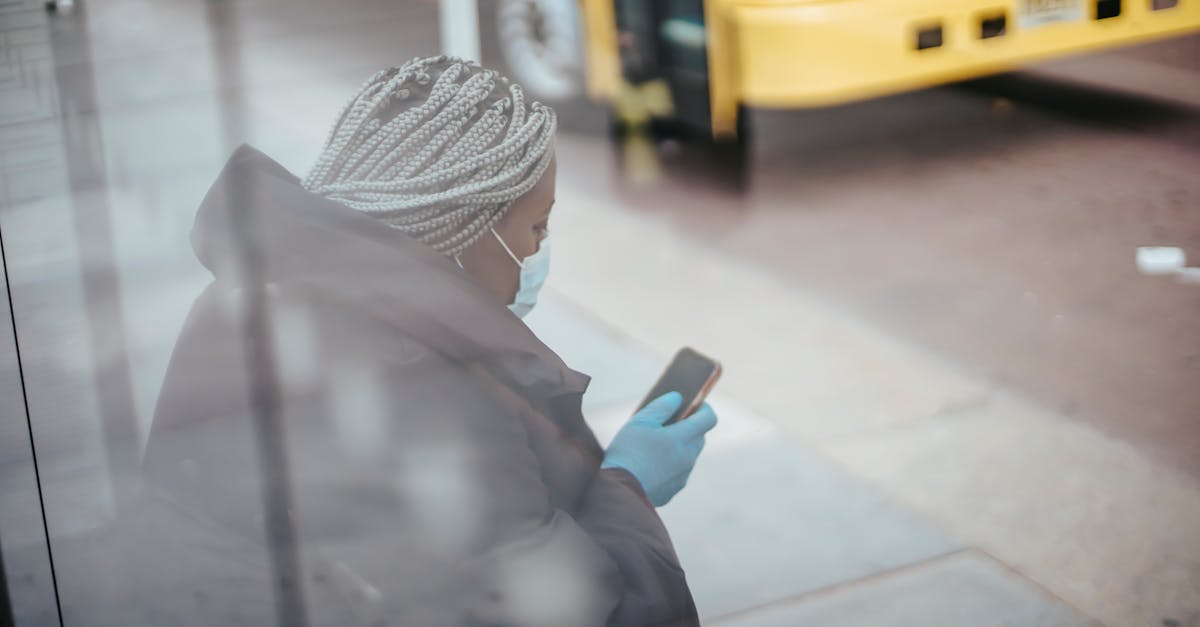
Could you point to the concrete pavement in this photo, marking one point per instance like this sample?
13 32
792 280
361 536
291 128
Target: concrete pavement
1084 517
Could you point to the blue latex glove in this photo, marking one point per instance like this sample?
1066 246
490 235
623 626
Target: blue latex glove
660 457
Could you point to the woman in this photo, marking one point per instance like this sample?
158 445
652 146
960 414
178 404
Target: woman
438 468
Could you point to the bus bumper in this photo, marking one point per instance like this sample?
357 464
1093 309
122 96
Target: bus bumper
824 52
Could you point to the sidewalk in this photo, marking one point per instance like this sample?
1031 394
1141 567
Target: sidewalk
855 479
771 534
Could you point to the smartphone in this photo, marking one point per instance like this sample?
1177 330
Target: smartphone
692 375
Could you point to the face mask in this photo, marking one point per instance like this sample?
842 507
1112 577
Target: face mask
533 274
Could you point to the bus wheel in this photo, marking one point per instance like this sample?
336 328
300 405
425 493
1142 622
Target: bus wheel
683 152
677 130
539 44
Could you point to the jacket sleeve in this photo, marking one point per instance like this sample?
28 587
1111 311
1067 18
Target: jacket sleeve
474 539
527 563
617 515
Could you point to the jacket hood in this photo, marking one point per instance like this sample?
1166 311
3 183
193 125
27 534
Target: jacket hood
258 215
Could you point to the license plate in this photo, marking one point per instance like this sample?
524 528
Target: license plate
1035 13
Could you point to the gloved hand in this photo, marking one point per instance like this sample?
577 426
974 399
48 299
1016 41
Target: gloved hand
660 457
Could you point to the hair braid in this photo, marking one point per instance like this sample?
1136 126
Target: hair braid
438 149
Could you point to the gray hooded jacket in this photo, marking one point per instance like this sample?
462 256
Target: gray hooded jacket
440 469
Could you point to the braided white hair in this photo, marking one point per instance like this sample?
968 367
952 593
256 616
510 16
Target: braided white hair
438 148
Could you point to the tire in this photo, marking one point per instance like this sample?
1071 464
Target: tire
671 128
539 44
695 157
733 155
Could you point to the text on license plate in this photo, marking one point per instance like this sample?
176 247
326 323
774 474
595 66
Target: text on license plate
1036 13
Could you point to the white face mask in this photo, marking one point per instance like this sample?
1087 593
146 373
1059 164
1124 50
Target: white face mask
534 270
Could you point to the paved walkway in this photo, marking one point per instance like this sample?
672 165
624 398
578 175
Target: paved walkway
855 479
771 533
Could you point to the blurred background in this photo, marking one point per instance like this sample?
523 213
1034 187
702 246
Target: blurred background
941 248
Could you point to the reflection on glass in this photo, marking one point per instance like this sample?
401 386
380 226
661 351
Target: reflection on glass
354 426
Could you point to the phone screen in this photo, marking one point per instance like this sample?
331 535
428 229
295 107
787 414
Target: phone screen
691 374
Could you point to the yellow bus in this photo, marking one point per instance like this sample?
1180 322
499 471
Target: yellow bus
709 59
